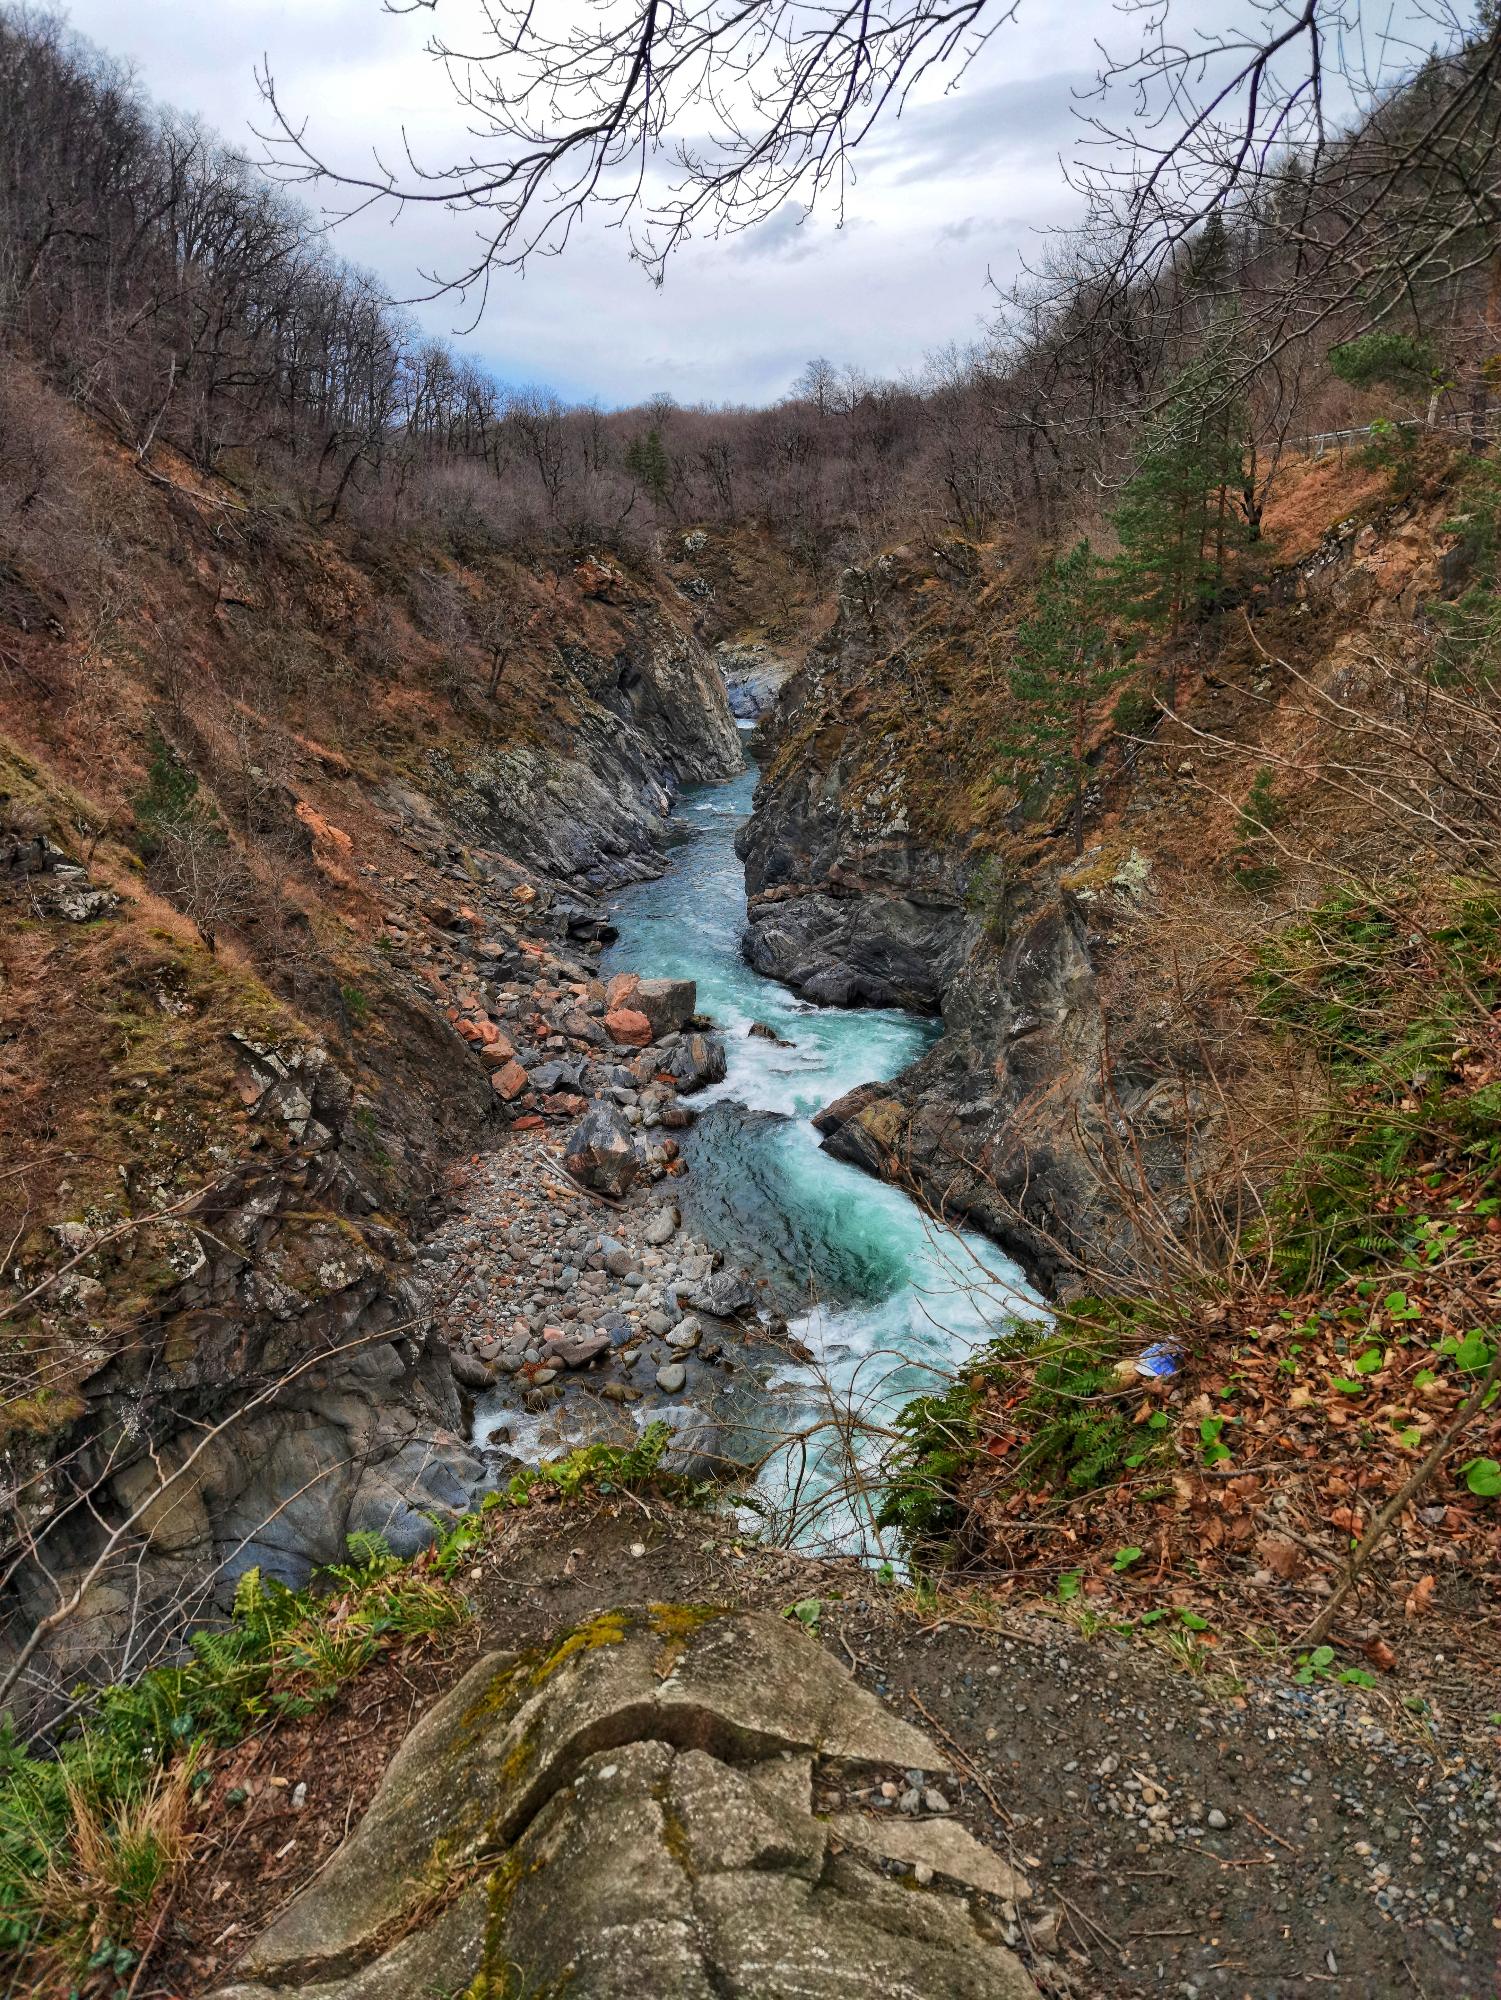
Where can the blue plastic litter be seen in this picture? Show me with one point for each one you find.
(1157, 1361)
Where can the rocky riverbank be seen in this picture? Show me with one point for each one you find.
(221, 1346)
(572, 1319)
(866, 887)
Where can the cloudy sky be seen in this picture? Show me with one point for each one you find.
(959, 188)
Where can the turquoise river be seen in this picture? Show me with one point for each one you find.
(888, 1302)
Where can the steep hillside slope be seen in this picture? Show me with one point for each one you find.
(1094, 1009)
(276, 806)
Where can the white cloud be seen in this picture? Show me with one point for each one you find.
(737, 317)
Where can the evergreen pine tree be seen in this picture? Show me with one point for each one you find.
(647, 462)
(1061, 668)
(1208, 272)
(1176, 520)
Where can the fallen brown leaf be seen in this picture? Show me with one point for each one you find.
(1283, 1558)
(1420, 1597)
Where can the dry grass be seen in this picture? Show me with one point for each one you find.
(104, 1887)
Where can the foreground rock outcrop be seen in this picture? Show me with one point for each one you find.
(630, 1812)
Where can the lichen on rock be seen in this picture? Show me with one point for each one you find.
(629, 1811)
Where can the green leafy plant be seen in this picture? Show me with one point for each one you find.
(1252, 860)
(1079, 1426)
(356, 1004)
(1387, 995)
(1471, 1353)
(1213, 1449)
(88, 1833)
(1076, 1424)
(1396, 450)
(606, 1468)
(1319, 1665)
(169, 798)
(938, 1435)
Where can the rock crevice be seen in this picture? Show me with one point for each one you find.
(631, 1810)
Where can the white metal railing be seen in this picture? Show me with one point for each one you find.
(1487, 426)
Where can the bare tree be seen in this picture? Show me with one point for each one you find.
(609, 112)
(590, 113)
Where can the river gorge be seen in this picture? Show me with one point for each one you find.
(886, 1301)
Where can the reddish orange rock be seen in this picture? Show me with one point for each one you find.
(510, 1082)
(622, 990)
(626, 1026)
(531, 1123)
(497, 1052)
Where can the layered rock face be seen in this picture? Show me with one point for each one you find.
(632, 1811)
(293, 1391)
(1028, 1117)
(638, 714)
(845, 903)
(1076, 1105)
(753, 676)
(254, 1377)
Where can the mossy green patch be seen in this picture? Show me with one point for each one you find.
(677, 1623)
(608, 1628)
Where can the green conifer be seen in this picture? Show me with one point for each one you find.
(647, 462)
(1061, 668)
(1177, 520)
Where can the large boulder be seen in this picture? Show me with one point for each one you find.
(510, 1081)
(722, 1294)
(669, 1004)
(548, 1077)
(629, 1812)
(601, 1153)
(628, 1027)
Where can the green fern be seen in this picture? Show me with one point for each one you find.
(283, 1652)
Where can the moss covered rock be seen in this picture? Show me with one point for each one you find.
(629, 1811)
